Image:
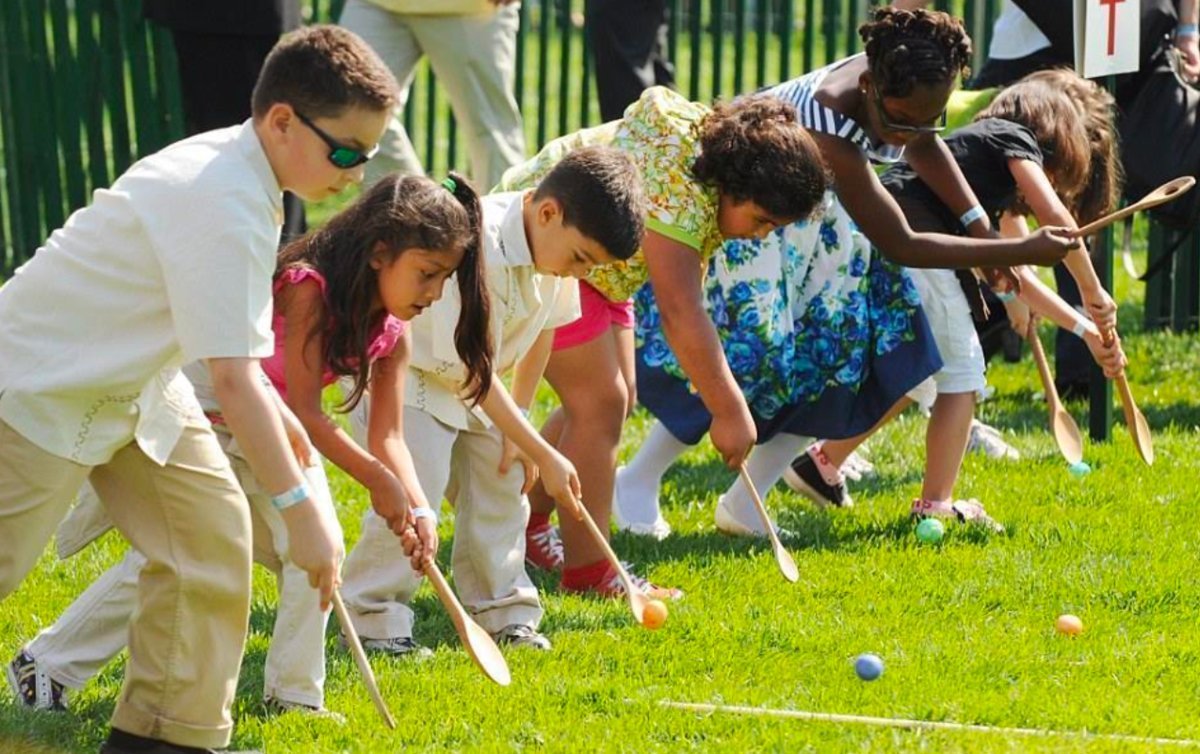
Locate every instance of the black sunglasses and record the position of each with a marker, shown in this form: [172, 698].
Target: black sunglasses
[890, 125]
[340, 155]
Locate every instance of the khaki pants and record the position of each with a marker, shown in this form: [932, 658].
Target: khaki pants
[474, 58]
[191, 521]
[488, 555]
[94, 628]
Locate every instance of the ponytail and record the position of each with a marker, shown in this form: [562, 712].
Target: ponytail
[472, 336]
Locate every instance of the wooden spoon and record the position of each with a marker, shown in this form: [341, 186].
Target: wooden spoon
[784, 558]
[479, 643]
[1066, 431]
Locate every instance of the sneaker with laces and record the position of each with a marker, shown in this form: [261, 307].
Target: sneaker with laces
[33, 687]
[964, 511]
[805, 476]
[610, 585]
[988, 440]
[396, 646]
[520, 635]
[543, 548]
[282, 706]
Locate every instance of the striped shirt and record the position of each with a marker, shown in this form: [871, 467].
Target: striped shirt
[799, 93]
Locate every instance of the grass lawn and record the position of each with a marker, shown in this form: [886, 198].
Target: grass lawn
[966, 629]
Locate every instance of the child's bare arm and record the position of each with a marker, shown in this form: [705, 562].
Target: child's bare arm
[931, 159]
[314, 537]
[1048, 208]
[879, 216]
[558, 474]
[304, 367]
[1045, 302]
[675, 273]
[528, 371]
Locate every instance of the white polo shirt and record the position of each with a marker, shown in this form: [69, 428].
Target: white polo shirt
[170, 265]
[523, 304]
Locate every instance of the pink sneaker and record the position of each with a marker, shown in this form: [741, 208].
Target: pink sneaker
[543, 548]
[965, 511]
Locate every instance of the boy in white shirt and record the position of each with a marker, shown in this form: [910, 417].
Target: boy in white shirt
[589, 210]
[170, 265]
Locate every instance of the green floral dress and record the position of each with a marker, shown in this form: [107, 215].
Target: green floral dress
[660, 132]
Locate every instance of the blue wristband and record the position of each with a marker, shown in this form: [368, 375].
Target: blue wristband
[287, 499]
[971, 215]
[1187, 30]
[1005, 296]
[423, 512]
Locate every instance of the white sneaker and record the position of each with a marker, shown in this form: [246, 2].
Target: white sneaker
[988, 440]
[727, 523]
[856, 467]
[659, 529]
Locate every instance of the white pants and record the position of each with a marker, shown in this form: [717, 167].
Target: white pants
[95, 627]
[474, 58]
[949, 316]
[488, 555]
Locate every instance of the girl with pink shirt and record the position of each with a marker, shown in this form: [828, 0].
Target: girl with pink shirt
[343, 295]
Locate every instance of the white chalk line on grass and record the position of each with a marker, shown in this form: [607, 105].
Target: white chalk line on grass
[899, 722]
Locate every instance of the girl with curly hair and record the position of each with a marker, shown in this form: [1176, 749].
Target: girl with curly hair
[736, 170]
[825, 336]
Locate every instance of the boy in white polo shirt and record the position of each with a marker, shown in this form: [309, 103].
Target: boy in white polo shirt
[589, 210]
[170, 265]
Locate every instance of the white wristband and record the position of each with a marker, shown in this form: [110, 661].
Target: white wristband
[971, 215]
[288, 498]
[1080, 328]
[422, 511]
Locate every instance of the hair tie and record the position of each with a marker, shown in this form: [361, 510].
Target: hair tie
[451, 185]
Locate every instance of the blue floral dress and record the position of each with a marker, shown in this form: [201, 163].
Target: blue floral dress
[822, 335]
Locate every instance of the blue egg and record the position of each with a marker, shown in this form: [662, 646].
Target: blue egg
[868, 666]
[1080, 468]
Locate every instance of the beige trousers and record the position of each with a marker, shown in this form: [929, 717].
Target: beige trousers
[474, 58]
[488, 554]
[93, 629]
[192, 522]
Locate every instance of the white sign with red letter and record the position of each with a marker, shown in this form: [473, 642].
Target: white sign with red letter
[1107, 36]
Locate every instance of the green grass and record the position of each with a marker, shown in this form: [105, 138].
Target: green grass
[966, 628]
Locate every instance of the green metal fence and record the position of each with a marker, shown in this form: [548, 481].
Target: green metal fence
[87, 87]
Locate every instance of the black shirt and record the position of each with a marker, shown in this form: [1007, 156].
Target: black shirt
[982, 151]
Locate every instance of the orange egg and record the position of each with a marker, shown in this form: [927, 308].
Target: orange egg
[1069, 624]
[654, 614]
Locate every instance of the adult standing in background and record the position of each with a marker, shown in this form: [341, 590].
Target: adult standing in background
[472, 47]
[221, 46]
[629, 45]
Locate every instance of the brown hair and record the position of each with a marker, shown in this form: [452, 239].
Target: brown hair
[1097, 111]
[754, 149]
[399, 212]
[322, 71]
[600, 192]
[1071, 118]
[910, 47]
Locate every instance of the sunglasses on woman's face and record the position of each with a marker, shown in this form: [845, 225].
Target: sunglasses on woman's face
[340, 155]
[891, 125]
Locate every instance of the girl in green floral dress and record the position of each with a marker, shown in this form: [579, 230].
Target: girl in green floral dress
[824, 335]
[737, 170]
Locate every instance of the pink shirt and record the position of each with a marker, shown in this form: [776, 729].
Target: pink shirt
[383, 340]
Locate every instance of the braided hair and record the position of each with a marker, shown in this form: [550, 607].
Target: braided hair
[910, 47]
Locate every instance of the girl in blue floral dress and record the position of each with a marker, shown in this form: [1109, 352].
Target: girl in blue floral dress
[823, 336]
